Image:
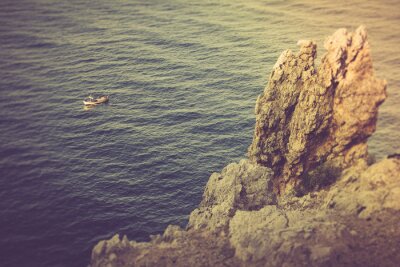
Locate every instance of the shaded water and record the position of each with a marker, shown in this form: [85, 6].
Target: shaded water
[183, 78]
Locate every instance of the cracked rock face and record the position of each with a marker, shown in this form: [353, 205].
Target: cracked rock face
[308, 115]
[294, 238]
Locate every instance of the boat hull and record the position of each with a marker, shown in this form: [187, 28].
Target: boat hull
[97, 101]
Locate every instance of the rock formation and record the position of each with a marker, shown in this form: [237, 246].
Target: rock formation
[353, 223]
[308, 115]
[311, 132]
[244, 186]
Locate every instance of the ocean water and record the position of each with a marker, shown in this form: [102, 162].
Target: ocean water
[183, 78]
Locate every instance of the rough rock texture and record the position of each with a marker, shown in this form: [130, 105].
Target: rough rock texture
[175, 247]
[244, 186]
[354, 222]
[321, 228]
[309, 115]
[343, 213]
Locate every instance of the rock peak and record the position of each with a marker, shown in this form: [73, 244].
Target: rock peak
[307, 116]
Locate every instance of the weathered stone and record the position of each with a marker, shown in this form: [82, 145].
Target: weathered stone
[275, 237]
[307, 116]
[317, 229]
[368, 192]
[243, 185]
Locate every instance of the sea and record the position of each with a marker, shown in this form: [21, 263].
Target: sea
[183, 77]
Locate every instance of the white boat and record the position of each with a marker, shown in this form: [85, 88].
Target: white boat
[91, 101]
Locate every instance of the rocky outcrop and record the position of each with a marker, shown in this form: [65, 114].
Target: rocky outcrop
[355, 222]
[308, 115]
[315, 229]
[244, 186]
[311, 132]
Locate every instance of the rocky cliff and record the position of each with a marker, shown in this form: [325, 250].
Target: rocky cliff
[307, 195]
[309, 115]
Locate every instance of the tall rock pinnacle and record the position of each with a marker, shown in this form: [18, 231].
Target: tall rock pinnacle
[309, 115]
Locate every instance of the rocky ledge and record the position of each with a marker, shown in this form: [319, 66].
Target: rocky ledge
[309, 194]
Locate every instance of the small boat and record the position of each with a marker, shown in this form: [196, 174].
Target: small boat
[91, 101]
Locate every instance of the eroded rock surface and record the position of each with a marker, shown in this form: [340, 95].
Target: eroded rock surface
[308, 115]
[243, 185]
[355, 222]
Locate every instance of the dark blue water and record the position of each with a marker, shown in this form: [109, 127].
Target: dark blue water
[183, 78]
